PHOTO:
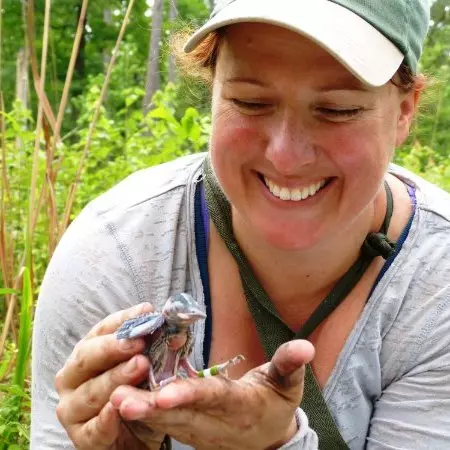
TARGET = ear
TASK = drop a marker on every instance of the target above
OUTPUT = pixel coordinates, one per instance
(409, 103)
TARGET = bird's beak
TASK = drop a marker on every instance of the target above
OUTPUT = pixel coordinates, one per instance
(192, 315)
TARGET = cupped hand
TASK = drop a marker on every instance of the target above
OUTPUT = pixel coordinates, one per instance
(255, 412)
(99, 364)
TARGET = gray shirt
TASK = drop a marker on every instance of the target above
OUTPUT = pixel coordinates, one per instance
(390, 387)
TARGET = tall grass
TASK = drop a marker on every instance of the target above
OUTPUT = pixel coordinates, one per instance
(25, 326)
(17, 260)
(42, 208)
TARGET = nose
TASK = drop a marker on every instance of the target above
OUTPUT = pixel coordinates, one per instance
(290, 147)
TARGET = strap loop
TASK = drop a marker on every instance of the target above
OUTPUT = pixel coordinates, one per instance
(378, 244)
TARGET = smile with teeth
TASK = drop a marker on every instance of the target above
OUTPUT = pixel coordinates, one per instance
(296, 194)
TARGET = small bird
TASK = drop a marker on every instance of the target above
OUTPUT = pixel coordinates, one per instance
(170, 340)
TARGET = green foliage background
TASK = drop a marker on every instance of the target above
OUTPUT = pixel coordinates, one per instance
(125, 141)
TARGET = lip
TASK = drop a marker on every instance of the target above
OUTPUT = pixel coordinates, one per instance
(308, 201)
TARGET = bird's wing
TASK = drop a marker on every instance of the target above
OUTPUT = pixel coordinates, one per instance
(158, 353)
(140, 326)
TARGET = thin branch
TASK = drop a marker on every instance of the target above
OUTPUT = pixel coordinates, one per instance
(10, 367)
(56, 128)
(73, 187)
(5, 196)
(27, 254)
(10, 312)
(34, 67)
(69, 76)
(1, 43)
(52, 217)
(35, 166)
(5, 182)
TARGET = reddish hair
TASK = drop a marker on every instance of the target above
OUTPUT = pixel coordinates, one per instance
(201, 62)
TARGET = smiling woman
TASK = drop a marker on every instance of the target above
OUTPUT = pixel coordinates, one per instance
(295, 227)
(300, 122)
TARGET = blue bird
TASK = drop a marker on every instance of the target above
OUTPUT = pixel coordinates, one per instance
(170, 340)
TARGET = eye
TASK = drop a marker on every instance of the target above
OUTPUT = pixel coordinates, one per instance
(250, 105)
(338, 113)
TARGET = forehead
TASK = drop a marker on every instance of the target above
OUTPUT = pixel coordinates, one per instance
(263, 49)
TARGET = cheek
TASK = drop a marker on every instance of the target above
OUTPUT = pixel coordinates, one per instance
(234, 142)
(364, 149)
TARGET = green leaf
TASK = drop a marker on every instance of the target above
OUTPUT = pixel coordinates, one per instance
(6, 291)
(24, 330)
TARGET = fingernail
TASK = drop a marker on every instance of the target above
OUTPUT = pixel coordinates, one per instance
(127, 344)
(109, 408)
(130, 366)
(147, 305)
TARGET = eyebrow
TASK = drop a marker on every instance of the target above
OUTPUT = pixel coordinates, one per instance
(344, 82)
(247, 80)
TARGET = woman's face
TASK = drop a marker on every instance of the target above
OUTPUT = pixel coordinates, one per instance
(299, 145)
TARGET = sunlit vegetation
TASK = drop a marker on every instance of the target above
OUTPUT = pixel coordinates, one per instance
(83, 103)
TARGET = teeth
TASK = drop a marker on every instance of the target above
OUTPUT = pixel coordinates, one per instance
(285, 194)
(293, 194)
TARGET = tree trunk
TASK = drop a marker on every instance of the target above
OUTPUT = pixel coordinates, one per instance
(80, 64)
(107, 19)
(211, 4)
(152, 82)
(173, 14)
(22, 76)
(22, 85)
(23, 55)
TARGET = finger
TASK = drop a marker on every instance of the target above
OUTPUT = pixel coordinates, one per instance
(187, 425)
(132, 397)
(88, 400)
(138, 405)
(93, 357)
(112, 322)
(102, 431)
(209, 393)
(286, 368)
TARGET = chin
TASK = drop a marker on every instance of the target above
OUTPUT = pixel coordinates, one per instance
(291, 238)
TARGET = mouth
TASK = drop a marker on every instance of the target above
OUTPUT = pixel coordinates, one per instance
(295, 194)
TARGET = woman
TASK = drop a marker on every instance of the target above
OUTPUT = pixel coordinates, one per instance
(310, 99)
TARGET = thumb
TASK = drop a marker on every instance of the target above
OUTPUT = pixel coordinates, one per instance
(287, 368)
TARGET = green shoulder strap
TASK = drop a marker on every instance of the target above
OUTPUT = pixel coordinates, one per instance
(272, 331)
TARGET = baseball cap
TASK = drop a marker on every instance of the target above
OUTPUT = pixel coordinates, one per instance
(371, 38)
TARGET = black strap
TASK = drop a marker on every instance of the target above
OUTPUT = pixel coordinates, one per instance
(375, 244)
(166, 443)
(272, 330)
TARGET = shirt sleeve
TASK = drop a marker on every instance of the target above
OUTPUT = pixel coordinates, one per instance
(414, 410)
(305, 438)
(87, 279)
